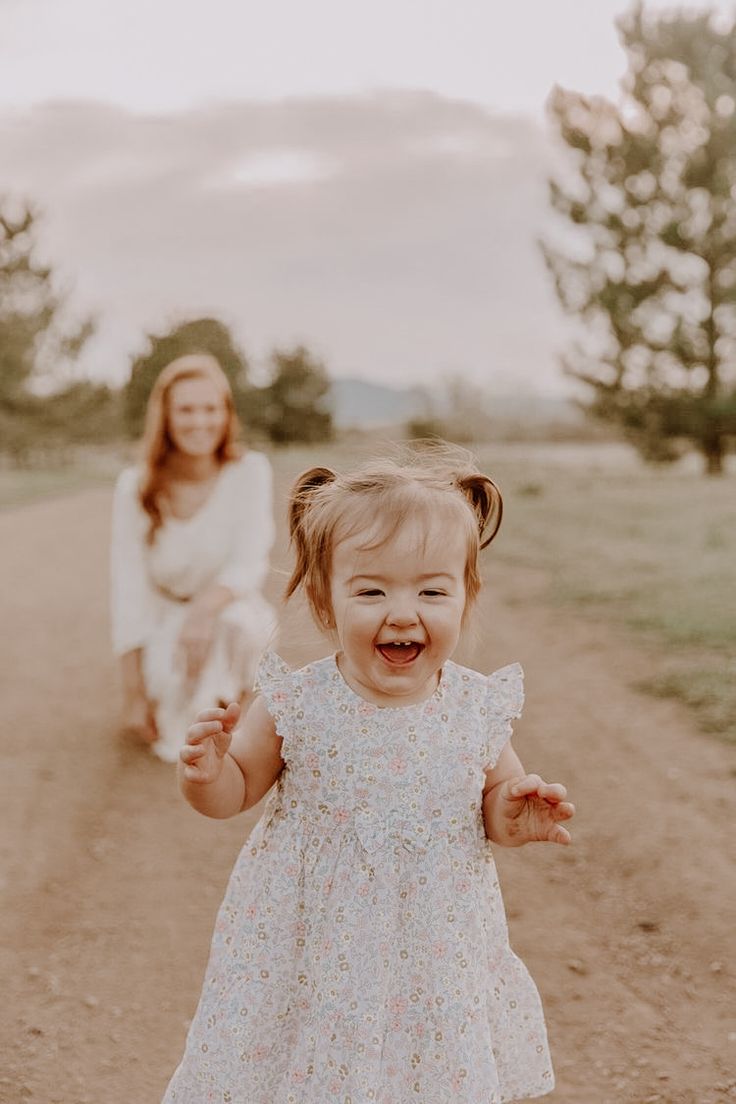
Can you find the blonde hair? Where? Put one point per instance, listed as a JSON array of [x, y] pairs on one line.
[[157, 445], [325, 508]]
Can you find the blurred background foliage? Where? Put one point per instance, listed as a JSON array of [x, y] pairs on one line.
[[200, 335], [647, 197], [642, 253], [292, 406], [43, 412], [37, 343]]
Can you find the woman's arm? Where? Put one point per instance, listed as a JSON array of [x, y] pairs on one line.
[[199, 626], [247, 563], [132, 600], [521, 808], [132, 603], [223, 772]]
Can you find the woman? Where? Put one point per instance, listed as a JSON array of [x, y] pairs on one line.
[[191, 532]]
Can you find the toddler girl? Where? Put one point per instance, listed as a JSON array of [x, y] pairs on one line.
[[361, 952]]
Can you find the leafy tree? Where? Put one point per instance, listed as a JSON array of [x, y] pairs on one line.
[[198, 335], [295, 404], [82, 413], [35, 340], [649, 260]]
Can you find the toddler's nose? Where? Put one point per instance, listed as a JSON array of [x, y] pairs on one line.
[[402, 617]]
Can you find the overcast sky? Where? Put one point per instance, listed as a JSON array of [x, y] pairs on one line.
[[368, 177], [153, 55]]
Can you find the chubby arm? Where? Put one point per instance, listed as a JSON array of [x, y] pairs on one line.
[[521, 808], [223, 772]]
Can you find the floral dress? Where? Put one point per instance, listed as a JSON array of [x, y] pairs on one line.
[[361, 953]]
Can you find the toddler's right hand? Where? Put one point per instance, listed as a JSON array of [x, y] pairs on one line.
[[208, 741]]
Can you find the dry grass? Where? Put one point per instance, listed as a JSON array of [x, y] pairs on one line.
[[19, 487], [650, 551]]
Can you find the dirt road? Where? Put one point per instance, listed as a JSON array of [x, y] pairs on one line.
[[111, 883]]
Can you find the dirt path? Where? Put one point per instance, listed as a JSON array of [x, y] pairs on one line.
[[111, 883]]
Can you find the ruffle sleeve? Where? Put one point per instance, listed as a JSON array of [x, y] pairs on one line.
[[273, 682], [505, 700]]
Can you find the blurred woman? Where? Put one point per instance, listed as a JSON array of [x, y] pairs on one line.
[[191, 533]]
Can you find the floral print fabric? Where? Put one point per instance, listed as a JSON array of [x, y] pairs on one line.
[[361, 952]]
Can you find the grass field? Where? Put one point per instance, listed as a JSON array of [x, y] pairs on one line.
[[17, 488], [651, 551], [67, 474]]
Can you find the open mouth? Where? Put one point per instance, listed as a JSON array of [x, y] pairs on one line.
[[400, 652]]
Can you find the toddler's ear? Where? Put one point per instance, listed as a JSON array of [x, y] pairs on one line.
[[485, 498]]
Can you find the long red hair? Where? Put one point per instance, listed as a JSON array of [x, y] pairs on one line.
[[157, 445]]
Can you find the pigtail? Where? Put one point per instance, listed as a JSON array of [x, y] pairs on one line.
[[487, 502], [302, 496]]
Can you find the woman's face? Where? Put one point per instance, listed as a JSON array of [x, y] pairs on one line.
[[197, 416]]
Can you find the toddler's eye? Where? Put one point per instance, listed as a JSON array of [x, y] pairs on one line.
[[370, 593], [432, 593]]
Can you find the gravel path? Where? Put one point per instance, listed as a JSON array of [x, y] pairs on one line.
[[111, 882]]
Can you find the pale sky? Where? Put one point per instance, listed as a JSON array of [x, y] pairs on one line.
[[161, 55], [275, 164]]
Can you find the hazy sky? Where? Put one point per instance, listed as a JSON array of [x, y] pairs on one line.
[[152, 55], [368, 177]]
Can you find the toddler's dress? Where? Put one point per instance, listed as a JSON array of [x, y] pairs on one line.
[[361, 953]]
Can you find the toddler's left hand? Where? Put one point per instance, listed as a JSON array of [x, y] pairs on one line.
[[531, 810]]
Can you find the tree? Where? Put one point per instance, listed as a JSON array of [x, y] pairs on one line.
[[35, 339], [84, 412], [295, 404], [198, 335], [649, 261]]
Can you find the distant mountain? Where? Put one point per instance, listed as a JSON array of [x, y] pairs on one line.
[[357, 402], [530, 408]]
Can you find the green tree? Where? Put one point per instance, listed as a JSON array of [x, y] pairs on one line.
[[648, 261], [198, 335], [81, 413], [36, 340], [295, 404]]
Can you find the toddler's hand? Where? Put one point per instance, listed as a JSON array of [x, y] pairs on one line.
[[532, 809], [208, 740]]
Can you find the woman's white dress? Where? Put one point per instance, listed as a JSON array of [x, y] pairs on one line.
[[227, 542]]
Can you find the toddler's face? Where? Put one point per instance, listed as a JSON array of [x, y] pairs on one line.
[[399, 609]]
